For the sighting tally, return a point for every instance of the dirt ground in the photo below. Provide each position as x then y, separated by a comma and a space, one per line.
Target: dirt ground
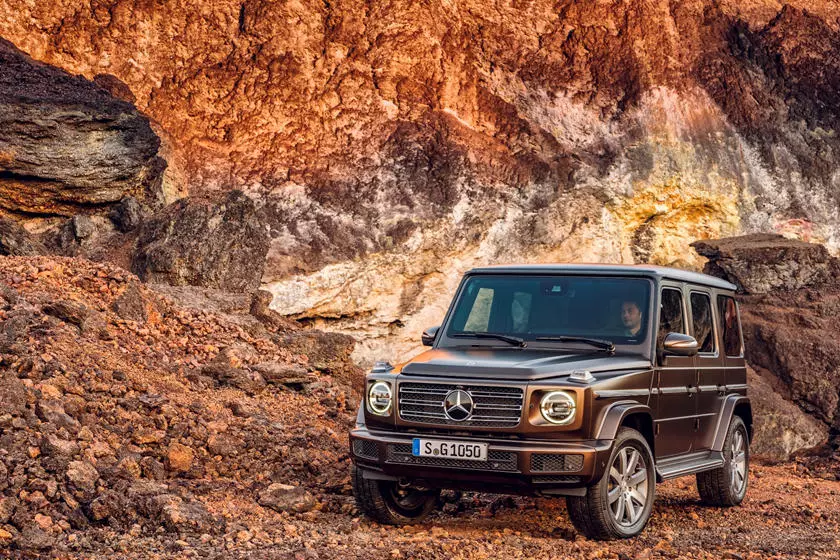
789, 513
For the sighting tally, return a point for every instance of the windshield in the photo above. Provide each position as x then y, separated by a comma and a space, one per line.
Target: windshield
537, 308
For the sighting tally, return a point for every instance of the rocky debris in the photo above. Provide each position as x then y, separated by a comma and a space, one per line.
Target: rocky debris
196, 242
328, 352
16, 241
765, 263
286, 497
179, 457
791, 334
66, 144
289, 375
131, 305
105, 429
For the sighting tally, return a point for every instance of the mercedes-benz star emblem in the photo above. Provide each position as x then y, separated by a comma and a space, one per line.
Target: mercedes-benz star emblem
458, 405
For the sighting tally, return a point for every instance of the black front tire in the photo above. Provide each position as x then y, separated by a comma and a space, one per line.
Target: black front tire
597, 514
727, 485
385, 502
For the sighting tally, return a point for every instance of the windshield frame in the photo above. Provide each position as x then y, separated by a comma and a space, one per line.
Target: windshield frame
645, 348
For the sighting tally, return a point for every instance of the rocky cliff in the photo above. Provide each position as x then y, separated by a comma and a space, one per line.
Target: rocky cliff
395, 144
789, 303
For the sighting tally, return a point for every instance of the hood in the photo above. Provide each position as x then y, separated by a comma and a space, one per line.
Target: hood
516, 364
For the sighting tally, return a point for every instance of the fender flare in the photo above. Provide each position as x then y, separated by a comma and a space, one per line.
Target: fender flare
360, 416
615, 414
725, 417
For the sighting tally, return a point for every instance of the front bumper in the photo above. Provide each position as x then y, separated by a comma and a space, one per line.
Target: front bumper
513, 466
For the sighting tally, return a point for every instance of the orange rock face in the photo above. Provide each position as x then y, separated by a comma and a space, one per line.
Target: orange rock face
396, 144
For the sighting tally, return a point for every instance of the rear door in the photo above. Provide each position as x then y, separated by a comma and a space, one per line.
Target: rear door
732, 343
710, 387
676, 410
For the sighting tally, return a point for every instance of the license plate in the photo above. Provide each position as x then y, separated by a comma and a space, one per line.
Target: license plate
465, 450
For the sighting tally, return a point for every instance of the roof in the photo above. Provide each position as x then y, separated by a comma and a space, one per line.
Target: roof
648, 270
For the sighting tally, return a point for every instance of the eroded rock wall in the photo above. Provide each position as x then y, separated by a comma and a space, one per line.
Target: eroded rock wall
789, 304
396, 144
68, 146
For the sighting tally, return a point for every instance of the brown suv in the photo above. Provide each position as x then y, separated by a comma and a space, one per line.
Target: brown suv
592, 382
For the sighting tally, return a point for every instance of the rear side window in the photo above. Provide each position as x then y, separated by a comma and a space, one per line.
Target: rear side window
701, 317
670, 315
728, 312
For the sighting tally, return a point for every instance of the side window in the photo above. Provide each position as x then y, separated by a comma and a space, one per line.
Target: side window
479, 317
670, 315
728, 313
701, 318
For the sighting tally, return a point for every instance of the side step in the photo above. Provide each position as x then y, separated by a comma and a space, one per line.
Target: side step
690, 463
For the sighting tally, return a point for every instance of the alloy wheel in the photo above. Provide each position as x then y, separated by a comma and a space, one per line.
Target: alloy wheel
738, 462
627, 492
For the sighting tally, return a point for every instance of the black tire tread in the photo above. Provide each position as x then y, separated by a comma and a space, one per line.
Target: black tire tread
370, 500
714, 485
589, 512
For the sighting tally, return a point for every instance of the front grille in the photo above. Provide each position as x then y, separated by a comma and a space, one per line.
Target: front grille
365, 448
494, 407
554, 479
544, 462
400, 453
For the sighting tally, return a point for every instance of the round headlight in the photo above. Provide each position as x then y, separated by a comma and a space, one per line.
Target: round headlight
558, 407
380, 398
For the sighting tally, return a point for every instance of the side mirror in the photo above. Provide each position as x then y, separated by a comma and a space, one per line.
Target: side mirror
428, 336
677, 344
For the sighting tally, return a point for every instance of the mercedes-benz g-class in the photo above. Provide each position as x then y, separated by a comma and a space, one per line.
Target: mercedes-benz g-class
592, 382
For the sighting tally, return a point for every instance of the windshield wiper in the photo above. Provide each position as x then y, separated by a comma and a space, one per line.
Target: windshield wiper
509, 339
601, 344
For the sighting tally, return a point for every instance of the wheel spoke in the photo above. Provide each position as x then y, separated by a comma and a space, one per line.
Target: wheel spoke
619, 510
622, 458
638, 478
638, 496
739, 458
614, 494
631, 464
631, 510
615, 475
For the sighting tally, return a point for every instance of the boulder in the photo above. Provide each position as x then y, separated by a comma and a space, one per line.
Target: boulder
780, 428
288, 498
83, 476
224, 444
199, 243
67, 144
16, 241
179, 457
127, 215
131, 305
763, 263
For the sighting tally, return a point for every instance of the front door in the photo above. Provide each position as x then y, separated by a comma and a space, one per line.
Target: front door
677, 407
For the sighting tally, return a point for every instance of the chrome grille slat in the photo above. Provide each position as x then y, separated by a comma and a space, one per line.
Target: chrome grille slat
494, 407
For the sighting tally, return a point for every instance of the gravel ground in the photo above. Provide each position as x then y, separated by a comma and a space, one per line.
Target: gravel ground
134, 427
789, 513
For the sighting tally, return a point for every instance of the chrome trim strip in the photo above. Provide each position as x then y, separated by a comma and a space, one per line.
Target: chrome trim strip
736, 387
613, 393
686, 417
